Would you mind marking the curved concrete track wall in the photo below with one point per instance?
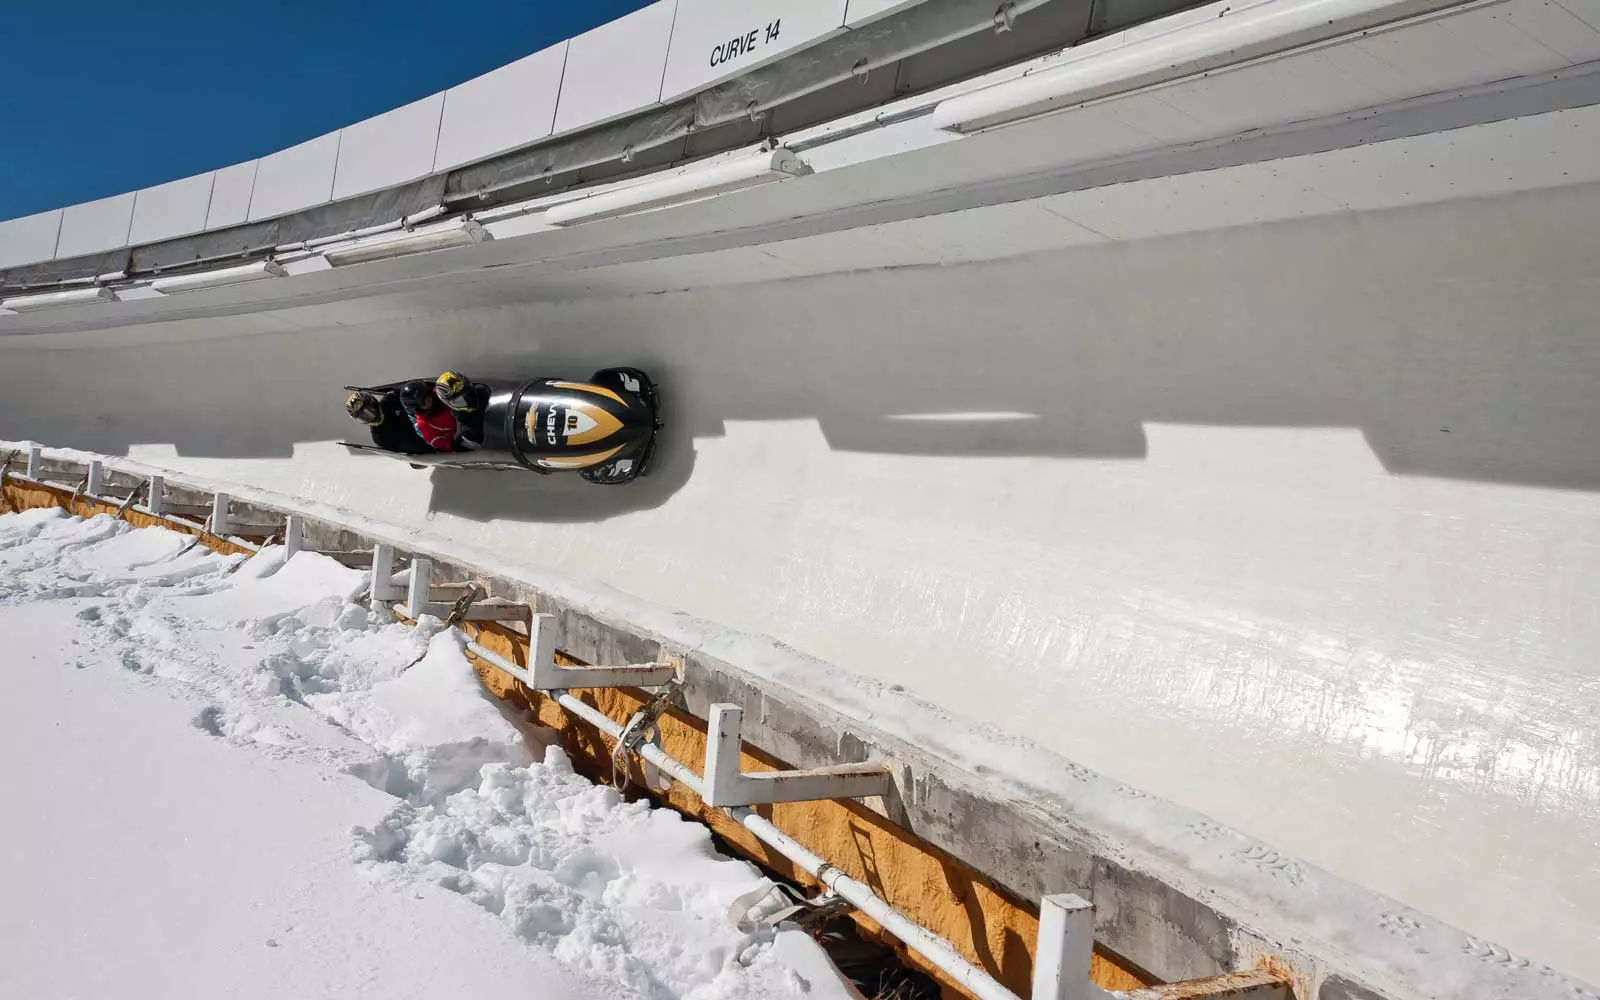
(1294, 524)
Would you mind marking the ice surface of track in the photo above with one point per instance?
(1293, 524)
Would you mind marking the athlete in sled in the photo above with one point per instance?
(603, 429)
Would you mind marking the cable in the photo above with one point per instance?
(641, 729)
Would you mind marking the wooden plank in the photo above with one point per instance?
(498, 613)
(354, 559)
(254, 530)
(1257, 984)
(201, 510)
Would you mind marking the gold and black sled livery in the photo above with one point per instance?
(604, 428)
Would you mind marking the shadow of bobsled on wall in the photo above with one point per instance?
(564, 497)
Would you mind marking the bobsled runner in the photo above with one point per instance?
(604, 429)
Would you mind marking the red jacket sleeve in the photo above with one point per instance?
(438, 428)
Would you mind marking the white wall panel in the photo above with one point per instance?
(1588, 10)
(1146, 112)
(1499, 47)
(167, 211)
(501, 110)
(863, 248)
(230, 195)
(1555, 26)
(616, 68)
(392, 148)
(1252, 193)
(29, 239)
(95, 226)
(1553, 150)
(713, 40)
(295, 178)
(994, 231)
(720, 267)
(1428, 53)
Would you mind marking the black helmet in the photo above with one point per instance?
(364, 407)
(417, 395)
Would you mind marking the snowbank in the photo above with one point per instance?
(243, 783)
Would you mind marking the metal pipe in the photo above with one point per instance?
(1001, 20)
(501, 663)
(921, 940)
(404, 222)
(882, 120)
(1263, 31)
(649, 751)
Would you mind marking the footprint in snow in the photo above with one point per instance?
(131, 662)
(1271, 863)
(210, 720)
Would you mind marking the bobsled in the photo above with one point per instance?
(604, 429)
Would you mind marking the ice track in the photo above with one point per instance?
(1295, 524)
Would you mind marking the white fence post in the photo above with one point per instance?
(35, 461)
(155, 500)
(293, 531)
(1066, 942)
(542, 652)
(722, 755)
(417, 590)
(220, 521)
(96, 478)
(383, 589)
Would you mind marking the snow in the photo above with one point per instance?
(1279, 895)
(229, 780)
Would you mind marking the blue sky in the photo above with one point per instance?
(99, 97)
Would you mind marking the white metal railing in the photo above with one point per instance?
(216, 518)
(1066, 921)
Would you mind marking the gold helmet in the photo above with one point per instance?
(454, 390)
(364, 407)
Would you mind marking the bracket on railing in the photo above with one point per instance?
(726, 785)
(544, 674)
(422, 597)
(95, 481)
(35, 461)
(155, 500)
(1250, 984)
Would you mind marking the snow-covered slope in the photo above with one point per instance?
(227, 780)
